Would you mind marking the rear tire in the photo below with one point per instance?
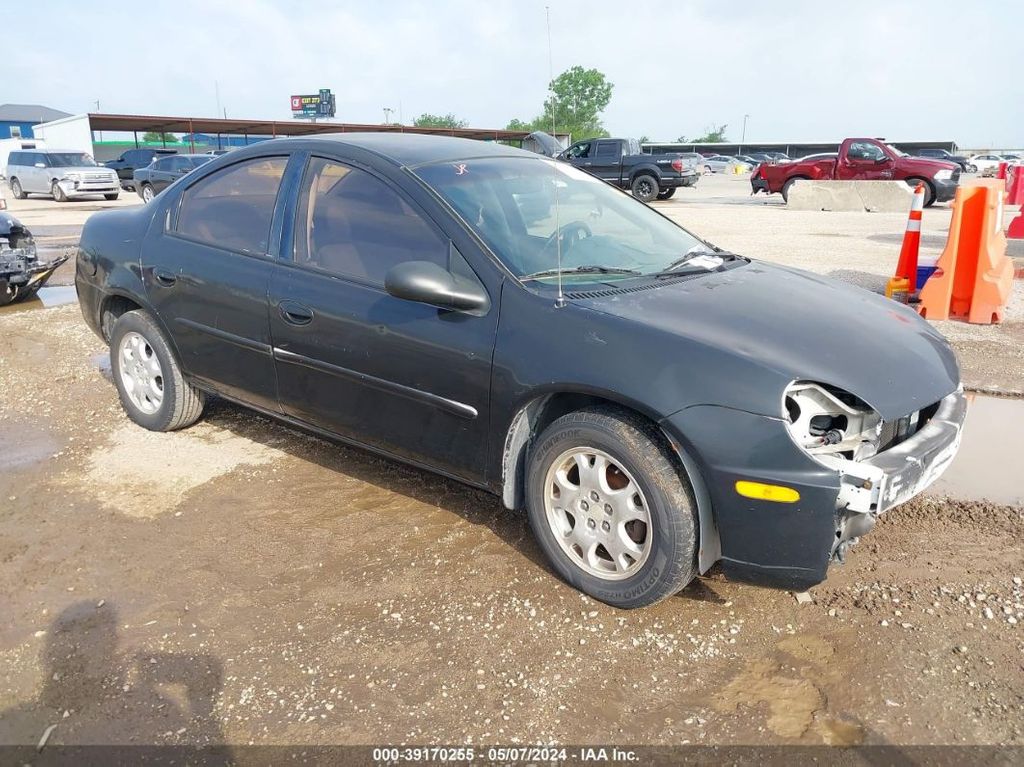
(147, 193)
(645, 187)
(153, 391)
(645, 548)
(16, 190)
(58, 193)
(789, 185)
(664, 194)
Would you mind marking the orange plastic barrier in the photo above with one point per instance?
(974, 277)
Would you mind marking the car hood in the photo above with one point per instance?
(928, 165)
(789, 325)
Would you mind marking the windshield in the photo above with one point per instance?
(70, 160)
(511, 204)
(195, 162)
(896, 151)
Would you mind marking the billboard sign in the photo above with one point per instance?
(311, 106)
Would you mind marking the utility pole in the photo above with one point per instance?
(387, 115)
(98, 109)
(743, 137)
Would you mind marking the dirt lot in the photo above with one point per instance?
(243, 582)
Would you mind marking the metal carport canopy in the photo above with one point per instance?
(159, 124)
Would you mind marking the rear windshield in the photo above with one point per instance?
(70, 160)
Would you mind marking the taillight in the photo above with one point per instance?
(677, 166)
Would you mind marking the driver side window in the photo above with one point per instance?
(354, 225)
(580, 150)
(862, 150)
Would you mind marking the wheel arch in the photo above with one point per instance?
(119, 302)
(645, 170)
(535, 416)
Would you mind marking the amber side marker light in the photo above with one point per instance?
(763, 492)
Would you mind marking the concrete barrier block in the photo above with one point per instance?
(870, 196)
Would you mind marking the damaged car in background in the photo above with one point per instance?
(656, 404)
(22, 272)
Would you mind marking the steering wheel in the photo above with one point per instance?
(568, 235)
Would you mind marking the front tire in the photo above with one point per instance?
(16, 190)
(613, 514)
(110, 197)
(147, 193)
(149, 381)
(929, 191)
(58, 193)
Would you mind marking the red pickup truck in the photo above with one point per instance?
(862, 159)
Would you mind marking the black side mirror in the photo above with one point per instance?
(428, 283)
(881, 160)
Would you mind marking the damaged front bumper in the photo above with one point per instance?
(872, 486)
(22, 272)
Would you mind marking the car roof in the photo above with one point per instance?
(411, 149)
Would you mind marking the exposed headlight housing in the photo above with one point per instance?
(827, 422)
(943, 175)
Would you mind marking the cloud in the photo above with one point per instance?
(801, 70)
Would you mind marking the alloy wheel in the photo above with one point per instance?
(597, 513)
(141, 374)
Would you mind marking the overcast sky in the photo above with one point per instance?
(803, 71)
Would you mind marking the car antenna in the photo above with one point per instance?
(560, 301)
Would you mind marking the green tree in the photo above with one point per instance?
(154, 137)
(517, 124)
(439, 121)
(579, 96)
(644, 140)
(712, 135)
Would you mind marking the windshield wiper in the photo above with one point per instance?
(673, 268)
(589, 269)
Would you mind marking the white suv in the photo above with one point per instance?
(64, 174)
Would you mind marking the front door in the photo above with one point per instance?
(864, 160)
(207, 277)
(400, 376)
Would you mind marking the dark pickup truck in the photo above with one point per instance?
(132, 160)
(619, 161)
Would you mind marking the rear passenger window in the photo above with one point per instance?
(233, 208)
(354, 225)
(606, 150)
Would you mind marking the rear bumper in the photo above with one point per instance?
(673, 182)
(759, 185)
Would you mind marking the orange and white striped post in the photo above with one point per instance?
(905, 280)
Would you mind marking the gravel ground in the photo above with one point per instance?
(241, 582)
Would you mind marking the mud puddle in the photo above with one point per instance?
(46, 298)
(993, 442)
(21, 445)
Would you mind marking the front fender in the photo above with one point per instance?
(780, 544)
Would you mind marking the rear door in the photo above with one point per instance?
(397, 375)
(206, 274)
(607, 160)
(159, 173)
